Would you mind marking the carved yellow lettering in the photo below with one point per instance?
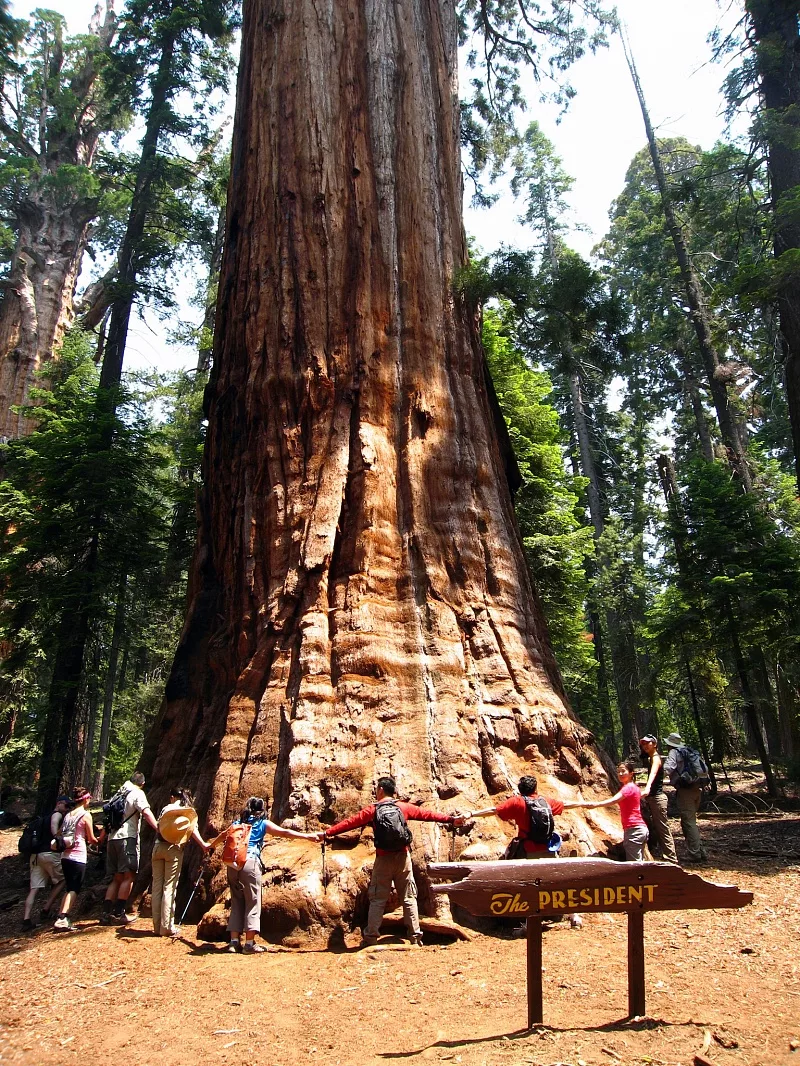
(544, 900)
(518, 906)
(650, 891)
(586, 897)
(597, 897)
(572, 897)
(558, 900)
(621, 898)
(634, 894)
(500, 903)
(609, 896)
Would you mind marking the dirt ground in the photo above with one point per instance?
(724, 984)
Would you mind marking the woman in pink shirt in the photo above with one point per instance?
(75, 831)
(629, 798)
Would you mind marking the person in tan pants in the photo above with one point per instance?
(656, 798)
(177, 825)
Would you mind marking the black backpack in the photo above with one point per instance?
(541, 819)
(35, 836)
(114, 812)
(390, 827)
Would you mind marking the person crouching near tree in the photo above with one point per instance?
(75, 832)
(392, 864)
(629, 798)
(177, 825)
(244, 840)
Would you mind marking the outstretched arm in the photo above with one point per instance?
(590, 805)
(481, 814)
(280, 831)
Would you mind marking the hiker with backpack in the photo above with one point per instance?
(177, 825)
(388, 817)
(74, 833)
(242, 842)
(536, 837)
(45, 864)
(688, 774)
(533, 817)
(654, 796)
(629, 798)
(124, 813)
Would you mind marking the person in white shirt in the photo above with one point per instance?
(46, 869)
(122, 855)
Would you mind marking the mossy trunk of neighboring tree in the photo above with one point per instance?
(359, 602)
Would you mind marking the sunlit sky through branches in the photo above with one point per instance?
(596, 138)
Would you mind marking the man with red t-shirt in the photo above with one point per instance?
(515, 809)
(392, 861)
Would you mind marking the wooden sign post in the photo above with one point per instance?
(548, 888)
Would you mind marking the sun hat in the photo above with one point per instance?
(177, 824)
(674, 740)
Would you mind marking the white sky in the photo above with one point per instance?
(596, 139)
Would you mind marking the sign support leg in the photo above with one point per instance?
(636, 997)
(535, 1013)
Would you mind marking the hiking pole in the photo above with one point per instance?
(324, 866)
(452, 829)
(196, 886)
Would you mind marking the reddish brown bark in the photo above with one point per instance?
(359, 602)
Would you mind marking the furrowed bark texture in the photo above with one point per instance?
(359, 602)
(36, 307)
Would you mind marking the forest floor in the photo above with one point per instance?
(724, 985)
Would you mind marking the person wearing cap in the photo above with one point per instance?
(245, 883)
(689, 797)
(177, 825)
(75, 832)
(656, 798)
(45, 868)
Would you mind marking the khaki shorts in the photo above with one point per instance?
(46, 869)
(122, 856)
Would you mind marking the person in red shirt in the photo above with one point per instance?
(392, 860)
(515, 809)
(629, 798)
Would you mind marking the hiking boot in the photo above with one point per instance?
(416, 941)
(27, 925)
(62, 924)
(107, 918)
(368, 941)
(233, 947)
(575, 921)
(125, 919)
(251, 948)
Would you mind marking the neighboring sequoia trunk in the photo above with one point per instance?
(359, 601)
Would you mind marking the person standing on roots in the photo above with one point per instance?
(75, 831)
(533, 816)
(389, 817)
(244, 840)
(122, 855)
(689, 793)
(45, 867)
(177, 825)
(656, 798)
(629, 798)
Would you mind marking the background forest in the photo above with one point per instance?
(649, 392)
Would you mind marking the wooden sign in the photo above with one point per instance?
(547, 888)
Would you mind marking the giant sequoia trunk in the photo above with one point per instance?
(359, 602)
